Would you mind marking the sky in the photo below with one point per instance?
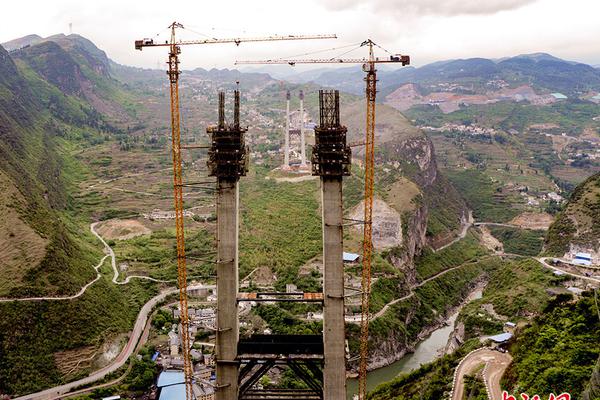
(427, 30)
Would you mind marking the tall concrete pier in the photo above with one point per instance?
(302, 139)
(286, 148)
(331, 161)
(227, 162)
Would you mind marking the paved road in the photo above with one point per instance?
(463, 232)
(138, 328)
(495, 365)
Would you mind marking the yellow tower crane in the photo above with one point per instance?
(371, 94)
(173, 73)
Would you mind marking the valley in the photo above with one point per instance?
(483, 186)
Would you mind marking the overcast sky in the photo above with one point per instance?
(427, 30)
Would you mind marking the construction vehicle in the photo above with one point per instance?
(173, 73)
(371, 92)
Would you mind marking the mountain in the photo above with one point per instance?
(56, 98)
(22, 42)
(542, 71)
(577, 227)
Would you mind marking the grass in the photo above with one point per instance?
(557, 352)
(519, 241)
(518, 289)
(280, 226)
(33, 331)
(488, 200)
(155, 255)
(579, 222)
(405, 320)
(430, 263)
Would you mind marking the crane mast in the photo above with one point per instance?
(173, 73)
(371, 95)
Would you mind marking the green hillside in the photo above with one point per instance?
(558, 351)
(47, 114)
(579, 223)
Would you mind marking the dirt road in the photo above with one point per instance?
(495, 365)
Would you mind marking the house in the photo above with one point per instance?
(291, 288)
(174, 343)
(509, 327)
(203, 392)
(209, 360)
(350, 257)
(582, 259)
(500, 339)
(203, 372)
(576, 291)
(196, 355)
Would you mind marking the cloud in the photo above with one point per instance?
(430, 7)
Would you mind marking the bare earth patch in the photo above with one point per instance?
(70, 362)
(387, 228)
(489, 241)
(533, 220)
(122, 229)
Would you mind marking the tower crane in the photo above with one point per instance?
(371, 91)
(173, 73)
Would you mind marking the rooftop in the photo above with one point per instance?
(350, 257)
(586, 256)
(173, 392)
(169, 378)
(501, 338)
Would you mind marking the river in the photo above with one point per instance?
(426, 351)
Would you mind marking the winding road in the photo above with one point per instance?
(466, 224)
(495, 365)
(78, 294)
(134, 337)
(138, 328)
(356, 318)
(113, 261)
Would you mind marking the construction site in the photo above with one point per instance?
(318, 360)
(296, 216)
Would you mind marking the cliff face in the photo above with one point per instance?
(430, 210)
(577, 227)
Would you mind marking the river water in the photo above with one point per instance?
(426, 351)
